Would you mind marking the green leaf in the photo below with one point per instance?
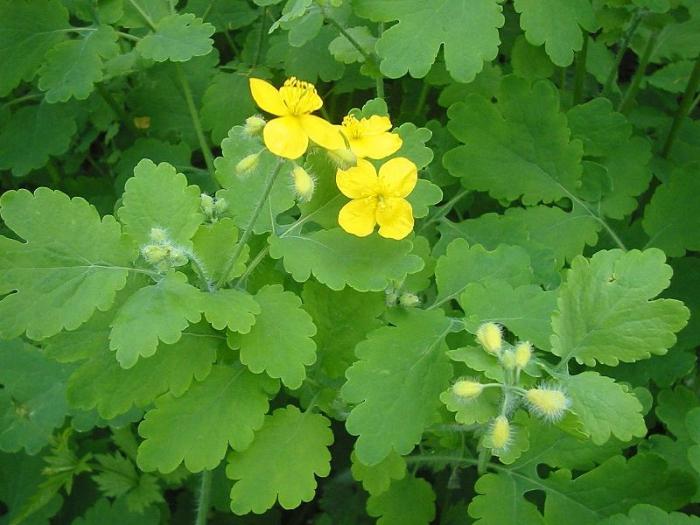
(71, 264)
(214, 245)
(27, 31)
(282, 463)
(159, 197)
(409, 501)
(244, 191)
(103, 384)
(413, 146)
(557, 24)
(279, 343)
(119, 479)
(148, 148)
(469, 411)
(226, 15)
(666, 217)
(159, 312)
(345, 52)
(605, 312)
(197, 428)
(468, 29)
(464, 264)
(424, 195)
(604, 407)
(524, 135)
(33, 134)
(524, 310)
(337, 258)
(226, 103)
(672, 77)
(105, 513)
(72, 68)
(311, 61)
(377, 479)
(177, 37)
(650, 515)
(530, 62)
(399, 367)
(229, 308)
(32, 399)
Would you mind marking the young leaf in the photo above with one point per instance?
(605, 313)
(198, 427)
(282, 463)
(227, 102)
(279, 343)
(159, 197)
(214, 245)
(159, 312)
(17, 491)
(604, 407)
(524, 135)
(103, 384)
(337, 259)
(409, 501)
(71, 264)
(468, 29)
(105, 513)
(178, 37)
(399, 367)
(229, 308)
(378, 478)
(556, 24)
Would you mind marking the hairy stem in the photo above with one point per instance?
(685, 107)
(249, 227)
(203, 498)
(194, 114)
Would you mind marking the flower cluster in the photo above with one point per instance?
(547, 400)
(377, 193)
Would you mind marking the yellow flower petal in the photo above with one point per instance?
(359, 216)
(359, 181)
(395, 218)
(322, 132)
(285, 137)
(377, 124)
(300, 97)
(397, 177)
(267, 97)
(376, 146)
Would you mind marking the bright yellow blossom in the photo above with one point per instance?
(370, 137)
(288, 135)
(378, 199)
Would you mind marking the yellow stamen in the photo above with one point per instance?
(300, 97)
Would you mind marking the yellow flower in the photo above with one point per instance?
(370, 137)
(378, 199)
(288, 135)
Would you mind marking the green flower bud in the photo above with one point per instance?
(207, 204)
(254, 125)
(409, 300)
(158, 235)
(247, 164)
(155, 253)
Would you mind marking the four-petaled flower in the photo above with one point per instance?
(370, 137)
(288, 135)
(378, 199)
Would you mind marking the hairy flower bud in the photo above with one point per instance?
(508, 360)
(548, 402)
(523, 353)
(178, 257)
(155, 253)
(490, 337)
(500, 433)
(220, 205)
(247, 164)
(467, 388)
(304, 184)
(158, 235)
(409, 300)
(344, 158)
(207, 204)
(254, 125)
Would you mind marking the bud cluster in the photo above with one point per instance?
(394, 295)
(212, 207)
(162, 253)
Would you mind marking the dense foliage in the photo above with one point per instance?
(466, 301)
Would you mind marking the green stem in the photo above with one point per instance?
(127, 36)
(580, 73)
(21, 99)
(260, 39)
(249, 227)
(194, 114)
(443, 210)
(422, 98)
(379, 82)
(621, 50)
(633, 88)
(204, 498)
(368, 57)
(143, 14)
(253, 264)
(684, 108)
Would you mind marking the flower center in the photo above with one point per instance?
(300, 97)
(353, 127)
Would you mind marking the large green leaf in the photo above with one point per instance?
(177, 37)
(409, 501)
(650, 515)
(71, 264)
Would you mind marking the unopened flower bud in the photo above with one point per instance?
(500, 433)
(220, 205)
(490, 337)
(391, 297)
(409, 300)
(304, 184)
(207, 204)
(142, 122)
(254, 125)
(343, 158)
(523, 353)
(547, 402)
(467, 388)
(154, 253)
(158, 235)
(508, 360)
(178, 257)
(247, 164)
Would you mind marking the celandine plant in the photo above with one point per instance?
(331, 262)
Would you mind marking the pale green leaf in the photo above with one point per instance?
(377, 478)
(105, 513)
(229, 308)
(214, 245)
(177, 37)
